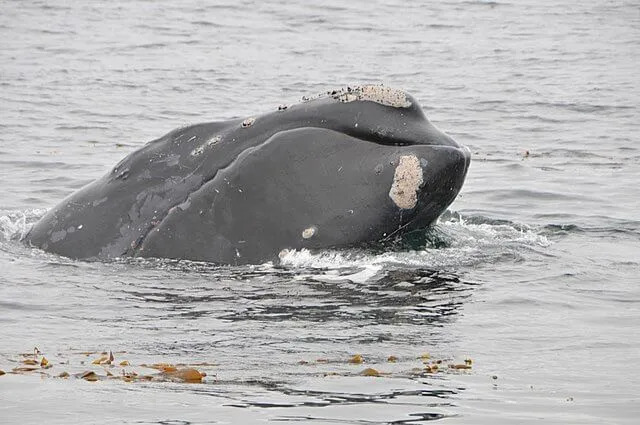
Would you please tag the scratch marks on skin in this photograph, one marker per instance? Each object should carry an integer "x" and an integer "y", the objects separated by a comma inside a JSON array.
[
  {"x": 407, "y": 180},
  {"x": 380, "y": 94},
  {"x": 99, "y": 201}
]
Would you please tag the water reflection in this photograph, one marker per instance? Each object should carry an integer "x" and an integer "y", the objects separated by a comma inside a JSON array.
[
  {"x": 275, "y": 294},
  {"x": 384, "y": 404}
]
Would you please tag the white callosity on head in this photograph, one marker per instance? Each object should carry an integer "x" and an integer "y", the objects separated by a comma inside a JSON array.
[
  {"x": 214, "y": 140},
  {"x": 248, "y": 122},
  {"x": 309, "y": 232},
  {"x": 197, "y": 151},
  {"x": 380, "y": 94},
  {"x": 407, "y": 180},
  {"x": 200, "y": 149}
]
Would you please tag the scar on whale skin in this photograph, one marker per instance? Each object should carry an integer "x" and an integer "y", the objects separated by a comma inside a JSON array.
[{"x": 407, "y": 180}]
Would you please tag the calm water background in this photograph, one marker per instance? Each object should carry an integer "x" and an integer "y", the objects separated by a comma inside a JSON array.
[{"x": 533, "y": 274}]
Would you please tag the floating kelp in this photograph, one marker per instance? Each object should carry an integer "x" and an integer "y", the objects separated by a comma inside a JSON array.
[
  {"x": 36, "y": 362},
  {"x": 105, "y": 366}
]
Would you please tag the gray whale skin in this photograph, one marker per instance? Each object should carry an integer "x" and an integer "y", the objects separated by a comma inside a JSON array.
[{"x": 354, "y": 166}]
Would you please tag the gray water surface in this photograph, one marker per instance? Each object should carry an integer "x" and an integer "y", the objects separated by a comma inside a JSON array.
[{"x": 532, "y": 274}]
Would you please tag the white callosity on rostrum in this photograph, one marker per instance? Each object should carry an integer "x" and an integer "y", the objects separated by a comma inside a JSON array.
[{"x": 407, "y": 180}]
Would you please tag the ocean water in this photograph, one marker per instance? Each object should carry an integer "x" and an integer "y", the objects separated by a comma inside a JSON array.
[{"x": 531, "y": 276}]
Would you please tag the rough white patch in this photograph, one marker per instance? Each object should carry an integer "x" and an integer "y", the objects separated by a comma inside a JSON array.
[
  {"x": 309, "y": 232},
  {"x": 380, "y": 94},
  {"x": 347, "y": 97},
  {"x": 199, "y": 150},
  {"x": 248, "y": 122},
  {"x": 407, "y": 180}
]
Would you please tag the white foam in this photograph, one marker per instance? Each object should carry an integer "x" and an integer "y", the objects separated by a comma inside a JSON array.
[
  {"x": 15, "y": 224},
  {"x": 466, "y": 244}
]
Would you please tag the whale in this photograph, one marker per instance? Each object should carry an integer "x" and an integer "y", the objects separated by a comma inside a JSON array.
[{"x": 346, "y": 168}]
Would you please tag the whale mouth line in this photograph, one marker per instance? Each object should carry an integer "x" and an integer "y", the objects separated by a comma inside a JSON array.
[{"x": 389, "y": 139}]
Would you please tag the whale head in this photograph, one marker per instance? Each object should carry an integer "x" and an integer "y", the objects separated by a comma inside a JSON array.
[{"x": 352, "y": 166}]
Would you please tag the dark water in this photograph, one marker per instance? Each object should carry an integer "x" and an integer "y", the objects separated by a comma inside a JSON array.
[{"x": 533, "y": 274}]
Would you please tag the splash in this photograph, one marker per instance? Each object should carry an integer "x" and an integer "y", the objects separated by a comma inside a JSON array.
[
  {"x": 15, "y": 224},
  {"x": 451, "y": 243}
]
